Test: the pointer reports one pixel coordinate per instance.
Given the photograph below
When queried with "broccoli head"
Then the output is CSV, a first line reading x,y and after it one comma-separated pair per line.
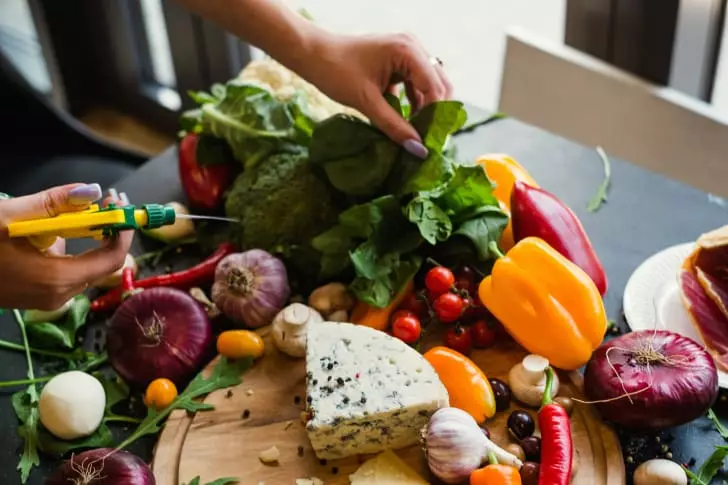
x,y
281,202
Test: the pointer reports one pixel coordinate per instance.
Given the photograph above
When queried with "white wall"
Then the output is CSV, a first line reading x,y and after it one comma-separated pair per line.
x,y
468,35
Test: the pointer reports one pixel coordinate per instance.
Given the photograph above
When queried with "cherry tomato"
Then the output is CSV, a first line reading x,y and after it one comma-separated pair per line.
x,y
413,302
160,393
473,313
407,329
458,338
448,307
439,280
465,280
403,313
483,335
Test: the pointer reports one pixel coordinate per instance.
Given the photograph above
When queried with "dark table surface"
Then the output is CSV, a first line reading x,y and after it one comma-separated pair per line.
x,y
645,213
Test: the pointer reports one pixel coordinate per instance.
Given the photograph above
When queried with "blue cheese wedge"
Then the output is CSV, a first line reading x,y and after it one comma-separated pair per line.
x,y
366,391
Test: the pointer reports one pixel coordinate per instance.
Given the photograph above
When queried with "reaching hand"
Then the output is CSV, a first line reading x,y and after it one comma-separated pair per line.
x,y
31,279
357,70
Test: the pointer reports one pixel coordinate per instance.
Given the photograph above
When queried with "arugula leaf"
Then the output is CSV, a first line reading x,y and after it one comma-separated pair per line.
x,y
219,481
25,405
710,468
225,374
487,227
595,203
50,445
61,334
722,430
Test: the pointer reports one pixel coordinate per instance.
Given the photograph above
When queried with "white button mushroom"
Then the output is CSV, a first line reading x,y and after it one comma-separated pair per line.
x,y
290,328
660,472
72,405
527,380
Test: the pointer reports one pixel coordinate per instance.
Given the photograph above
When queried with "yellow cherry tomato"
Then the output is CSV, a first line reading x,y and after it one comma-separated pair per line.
x,y
160,393
239,344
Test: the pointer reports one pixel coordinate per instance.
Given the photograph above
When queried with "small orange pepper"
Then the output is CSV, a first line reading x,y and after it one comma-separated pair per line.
x,y
504,171
495,474
378,318
160,393
240,344
465,382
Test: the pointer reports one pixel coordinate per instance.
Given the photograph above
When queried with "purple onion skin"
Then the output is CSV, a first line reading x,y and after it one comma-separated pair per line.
x,y
103,466
251,287
159,332
682,388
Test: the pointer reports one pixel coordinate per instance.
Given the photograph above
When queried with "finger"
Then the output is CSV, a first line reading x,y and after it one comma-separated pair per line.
x,y
58,248
98,263
51,202
414,96
384,117
424,77
445,81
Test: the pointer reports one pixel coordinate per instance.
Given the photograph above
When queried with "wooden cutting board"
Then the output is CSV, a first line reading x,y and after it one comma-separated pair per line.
x,y
265,410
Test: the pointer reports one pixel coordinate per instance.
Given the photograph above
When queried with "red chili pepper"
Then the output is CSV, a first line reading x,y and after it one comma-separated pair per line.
x,y
556,445
536,212
203,185
194,276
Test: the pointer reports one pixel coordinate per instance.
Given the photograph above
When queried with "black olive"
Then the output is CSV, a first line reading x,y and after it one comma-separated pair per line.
x,y
521,424
529,473
502,394
532,448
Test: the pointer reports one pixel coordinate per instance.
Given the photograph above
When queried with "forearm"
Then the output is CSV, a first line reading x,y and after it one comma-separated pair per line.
x,y
267,24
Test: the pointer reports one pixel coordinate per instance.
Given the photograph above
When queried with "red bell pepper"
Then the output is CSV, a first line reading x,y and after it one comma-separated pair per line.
x,y
203,185
538,213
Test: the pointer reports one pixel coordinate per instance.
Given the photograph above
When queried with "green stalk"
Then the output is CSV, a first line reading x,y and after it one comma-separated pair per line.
x,y
4,344
89,366
115,418
25,347
25,382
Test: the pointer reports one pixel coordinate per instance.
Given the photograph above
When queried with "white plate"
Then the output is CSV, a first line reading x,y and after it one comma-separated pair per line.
x,y
652,295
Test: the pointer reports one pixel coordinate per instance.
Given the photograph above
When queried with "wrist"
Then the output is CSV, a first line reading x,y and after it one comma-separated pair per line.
x,y
311,44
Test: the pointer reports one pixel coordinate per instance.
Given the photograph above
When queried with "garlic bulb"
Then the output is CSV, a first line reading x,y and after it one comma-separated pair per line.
x,y
456,446
527,380
290,328
660,472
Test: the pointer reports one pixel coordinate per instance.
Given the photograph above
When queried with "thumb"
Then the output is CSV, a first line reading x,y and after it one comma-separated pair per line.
x,y
51,202
384,117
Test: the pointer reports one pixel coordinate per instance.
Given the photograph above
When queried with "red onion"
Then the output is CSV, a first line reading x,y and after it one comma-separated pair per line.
x,y
102,466
652,379
159,332
251,287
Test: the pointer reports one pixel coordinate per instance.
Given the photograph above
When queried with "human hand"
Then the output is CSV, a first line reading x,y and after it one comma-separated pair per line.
x,y
357,70
31,279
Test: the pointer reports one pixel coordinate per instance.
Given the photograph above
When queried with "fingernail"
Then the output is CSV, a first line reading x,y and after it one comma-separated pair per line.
x,y
415,148
124,198
113,194
84,194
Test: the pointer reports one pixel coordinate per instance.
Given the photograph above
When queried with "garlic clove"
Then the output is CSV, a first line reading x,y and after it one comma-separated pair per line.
x,y
270,455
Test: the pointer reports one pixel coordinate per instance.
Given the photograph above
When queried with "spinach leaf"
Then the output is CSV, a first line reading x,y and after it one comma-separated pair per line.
x,y
60,334
50,445
470,188
395,103
213,151
116,391
380,291
437,121
356,157
481,230
434,224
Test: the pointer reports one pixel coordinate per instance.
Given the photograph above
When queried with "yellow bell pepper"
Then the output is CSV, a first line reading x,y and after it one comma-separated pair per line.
x,y
504,171
548,304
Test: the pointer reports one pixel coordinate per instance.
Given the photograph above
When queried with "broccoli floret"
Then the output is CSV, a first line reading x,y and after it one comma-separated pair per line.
x,y
281,202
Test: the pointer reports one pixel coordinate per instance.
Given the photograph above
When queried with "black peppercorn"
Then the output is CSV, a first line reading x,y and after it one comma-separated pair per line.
x,y
246,414
297,400
300,451
334,470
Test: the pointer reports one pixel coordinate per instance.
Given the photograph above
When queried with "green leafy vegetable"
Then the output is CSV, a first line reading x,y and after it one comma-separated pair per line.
x,y
710,468
25,405
595,203
50,445
722,430
477,124
219,481
61,334
484,229
212,151
224,374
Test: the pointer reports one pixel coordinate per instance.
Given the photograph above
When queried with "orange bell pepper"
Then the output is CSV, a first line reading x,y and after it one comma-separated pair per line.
x,y
504,171
378,318
467,385
495,474
548,304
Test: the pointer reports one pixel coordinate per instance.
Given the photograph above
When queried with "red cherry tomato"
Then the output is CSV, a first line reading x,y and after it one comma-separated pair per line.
x,y
483,335
465,280
459,338
448,307
407,329
439,280
403,313
413,302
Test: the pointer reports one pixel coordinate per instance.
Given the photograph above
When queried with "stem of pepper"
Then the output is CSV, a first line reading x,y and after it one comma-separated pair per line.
x,y
495,250
547,399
